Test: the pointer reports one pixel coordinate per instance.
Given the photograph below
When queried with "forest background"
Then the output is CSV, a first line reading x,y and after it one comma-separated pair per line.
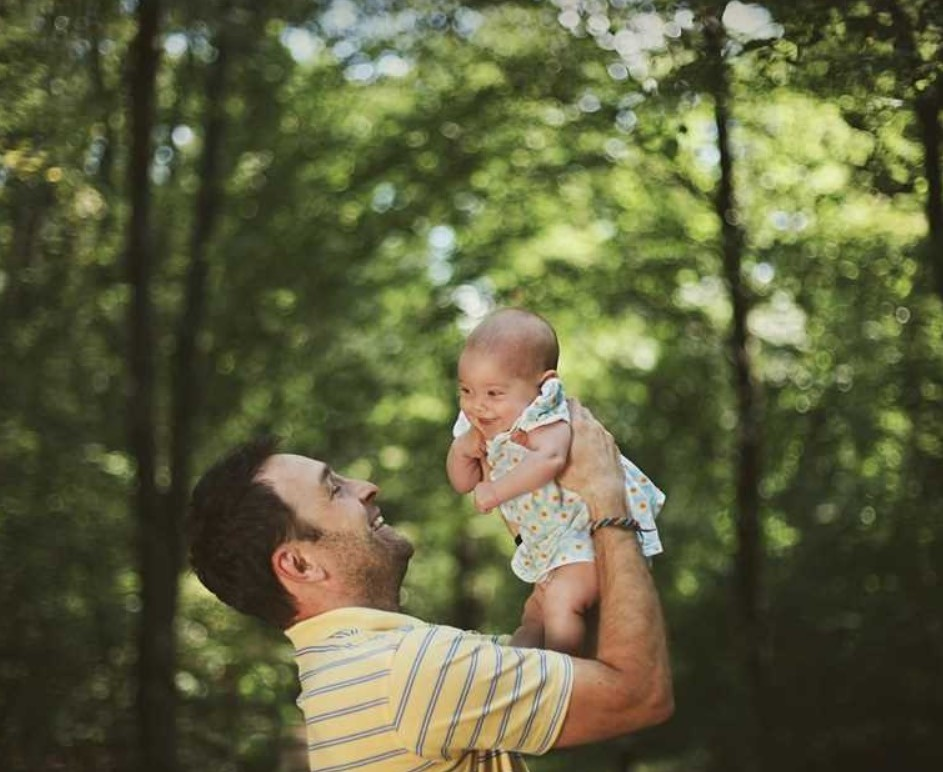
x,y
225,217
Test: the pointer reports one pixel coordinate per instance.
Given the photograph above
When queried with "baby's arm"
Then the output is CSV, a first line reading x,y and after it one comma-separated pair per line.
x,y
464,462
548,447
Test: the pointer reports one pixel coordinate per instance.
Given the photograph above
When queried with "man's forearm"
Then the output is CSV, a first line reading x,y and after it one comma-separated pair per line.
x,y
632,637
627,685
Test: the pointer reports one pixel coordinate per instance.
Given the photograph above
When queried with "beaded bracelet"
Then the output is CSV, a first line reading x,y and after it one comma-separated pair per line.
x,y
620,522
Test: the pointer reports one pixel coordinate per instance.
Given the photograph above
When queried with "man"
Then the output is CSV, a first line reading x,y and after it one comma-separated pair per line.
x,y
287,539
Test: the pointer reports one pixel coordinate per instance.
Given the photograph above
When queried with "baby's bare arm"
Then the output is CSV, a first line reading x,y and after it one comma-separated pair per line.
x,y
547,450
464,462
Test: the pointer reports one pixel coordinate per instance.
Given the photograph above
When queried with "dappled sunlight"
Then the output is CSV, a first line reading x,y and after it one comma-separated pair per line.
x,y
296,230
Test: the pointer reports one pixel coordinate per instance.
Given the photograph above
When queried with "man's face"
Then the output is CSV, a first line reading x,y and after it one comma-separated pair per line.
x,y
490,395
357,546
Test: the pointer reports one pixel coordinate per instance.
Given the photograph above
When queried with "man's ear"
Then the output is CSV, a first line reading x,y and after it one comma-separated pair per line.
x,y
292,562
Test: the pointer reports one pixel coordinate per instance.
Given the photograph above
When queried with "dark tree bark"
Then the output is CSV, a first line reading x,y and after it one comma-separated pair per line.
x,y
927,106
928,116
749,557
156,699
186,381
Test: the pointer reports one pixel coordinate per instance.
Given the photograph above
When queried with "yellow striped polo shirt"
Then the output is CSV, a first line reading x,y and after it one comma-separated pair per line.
x,y
385,691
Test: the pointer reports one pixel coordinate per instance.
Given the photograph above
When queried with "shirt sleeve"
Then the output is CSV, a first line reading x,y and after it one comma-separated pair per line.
x,y
453,691
461,425
549,407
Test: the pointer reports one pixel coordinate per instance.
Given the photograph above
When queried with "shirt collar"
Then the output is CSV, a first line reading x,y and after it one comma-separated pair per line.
x,y
330,623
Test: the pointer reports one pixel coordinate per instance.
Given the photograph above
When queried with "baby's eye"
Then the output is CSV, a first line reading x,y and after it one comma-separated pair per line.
x,y
494,393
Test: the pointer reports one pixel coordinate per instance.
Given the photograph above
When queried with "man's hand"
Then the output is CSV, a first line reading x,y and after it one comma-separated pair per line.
x,y
594,469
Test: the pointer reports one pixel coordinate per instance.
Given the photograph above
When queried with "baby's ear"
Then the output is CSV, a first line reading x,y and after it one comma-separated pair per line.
x,y
547,375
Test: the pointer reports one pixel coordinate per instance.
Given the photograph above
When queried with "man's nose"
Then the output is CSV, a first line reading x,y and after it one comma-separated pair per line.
x,y
366,490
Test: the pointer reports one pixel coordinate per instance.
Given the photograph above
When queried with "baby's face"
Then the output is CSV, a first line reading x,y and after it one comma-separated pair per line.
x,y
490,394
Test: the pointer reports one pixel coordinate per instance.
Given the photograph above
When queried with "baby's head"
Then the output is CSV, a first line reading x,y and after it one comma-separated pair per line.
x,y
505,361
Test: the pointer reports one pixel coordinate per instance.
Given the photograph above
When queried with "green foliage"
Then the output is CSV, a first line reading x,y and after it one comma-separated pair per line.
x,y
385,182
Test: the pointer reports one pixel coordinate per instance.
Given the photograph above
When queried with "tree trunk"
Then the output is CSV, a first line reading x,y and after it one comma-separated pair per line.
x,y
186,381
928,116
156,698
927,106
749,556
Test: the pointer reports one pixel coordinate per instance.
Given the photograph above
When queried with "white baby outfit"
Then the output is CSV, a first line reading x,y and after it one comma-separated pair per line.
x,y
553,522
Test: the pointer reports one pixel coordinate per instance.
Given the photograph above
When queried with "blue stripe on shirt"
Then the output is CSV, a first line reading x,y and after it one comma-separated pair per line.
x,y
542,658
561,701
457,713
317,718
345,661
333,687
486,708
347,738
321,648
515,696
411,679
436,691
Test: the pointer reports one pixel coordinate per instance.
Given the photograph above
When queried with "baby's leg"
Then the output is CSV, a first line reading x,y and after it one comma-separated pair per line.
x,y
530,634
569,592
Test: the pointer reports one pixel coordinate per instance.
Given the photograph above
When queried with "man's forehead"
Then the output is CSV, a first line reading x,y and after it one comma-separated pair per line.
x,y
287,470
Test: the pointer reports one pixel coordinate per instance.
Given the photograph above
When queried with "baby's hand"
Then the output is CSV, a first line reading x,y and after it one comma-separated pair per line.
x,y
472,444
485,497
520,438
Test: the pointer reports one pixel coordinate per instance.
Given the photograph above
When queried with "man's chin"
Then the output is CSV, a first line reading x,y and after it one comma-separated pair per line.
x,y
406,546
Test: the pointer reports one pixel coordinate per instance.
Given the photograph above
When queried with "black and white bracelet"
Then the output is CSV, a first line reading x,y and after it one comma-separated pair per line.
x,y
629,523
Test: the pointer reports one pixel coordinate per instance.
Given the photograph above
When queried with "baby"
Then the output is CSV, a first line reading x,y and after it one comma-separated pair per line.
x,y
511,440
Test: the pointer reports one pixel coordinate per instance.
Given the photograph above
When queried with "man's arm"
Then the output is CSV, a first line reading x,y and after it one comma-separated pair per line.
x,y
547,448
628,685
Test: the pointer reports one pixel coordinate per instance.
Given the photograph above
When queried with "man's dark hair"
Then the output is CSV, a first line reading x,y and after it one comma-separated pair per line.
x,y
234,524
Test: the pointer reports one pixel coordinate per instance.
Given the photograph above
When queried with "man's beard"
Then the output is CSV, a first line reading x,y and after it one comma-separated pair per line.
x,y
373,566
